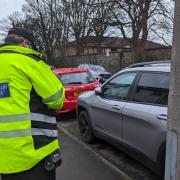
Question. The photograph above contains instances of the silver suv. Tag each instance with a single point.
(130, 111)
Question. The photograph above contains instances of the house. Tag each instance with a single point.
(110, 44)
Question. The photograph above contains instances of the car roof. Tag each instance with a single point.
(159, 66)
(69, 70)
(90, 66)
(96, 65)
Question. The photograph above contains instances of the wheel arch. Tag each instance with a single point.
(90, 132)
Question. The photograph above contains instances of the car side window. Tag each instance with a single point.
(153, 88)
(118, 87)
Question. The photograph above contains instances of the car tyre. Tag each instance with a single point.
(85, 127)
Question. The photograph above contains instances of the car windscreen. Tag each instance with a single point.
(77, 78)
(91, 67)
(97, 69)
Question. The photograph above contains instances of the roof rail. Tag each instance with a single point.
(152, 63)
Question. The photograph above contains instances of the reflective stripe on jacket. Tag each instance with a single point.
(28, 90)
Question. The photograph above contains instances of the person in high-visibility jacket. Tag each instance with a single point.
(29, 93)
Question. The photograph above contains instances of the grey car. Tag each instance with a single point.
(130, 111)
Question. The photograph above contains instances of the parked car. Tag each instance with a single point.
(130, 111)
(75, 81)
(99, 72)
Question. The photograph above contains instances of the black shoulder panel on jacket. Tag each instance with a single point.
(33, 56)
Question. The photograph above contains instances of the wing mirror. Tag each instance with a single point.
(98, 91)
(102, 81)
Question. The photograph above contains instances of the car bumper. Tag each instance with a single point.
(67, 107)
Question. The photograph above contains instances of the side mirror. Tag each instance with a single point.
(98, 91)
(102, 81)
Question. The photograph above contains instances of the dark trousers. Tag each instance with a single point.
(37, 172)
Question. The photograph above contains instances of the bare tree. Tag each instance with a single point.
(162, 23)
(49, 24)
(13, 20)
(101, 15)
(78, 13)
(133, 17)
(55, 22)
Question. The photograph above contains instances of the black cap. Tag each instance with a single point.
(25, 33)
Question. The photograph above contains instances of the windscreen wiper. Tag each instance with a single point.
(74, 83)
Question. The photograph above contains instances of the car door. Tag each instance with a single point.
(144, 124)
(106, 110)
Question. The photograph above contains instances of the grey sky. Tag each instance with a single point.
(7, 7)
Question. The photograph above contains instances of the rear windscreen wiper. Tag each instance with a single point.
(74, 83)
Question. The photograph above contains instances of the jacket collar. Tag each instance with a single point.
(20, 49)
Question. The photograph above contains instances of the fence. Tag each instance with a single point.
(114, 62)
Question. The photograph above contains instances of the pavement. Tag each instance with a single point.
(80, 163)
(126, 167)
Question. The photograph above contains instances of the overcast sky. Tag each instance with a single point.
(7, 7)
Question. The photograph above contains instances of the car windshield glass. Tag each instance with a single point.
(97, 68)
(77, 78)
(91, 67)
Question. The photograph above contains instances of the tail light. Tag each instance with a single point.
(70, 94)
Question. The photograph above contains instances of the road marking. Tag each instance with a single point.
(122, 175)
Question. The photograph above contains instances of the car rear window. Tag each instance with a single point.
(77, 78)
(91, 67)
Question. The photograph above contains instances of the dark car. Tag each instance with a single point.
(99, 72)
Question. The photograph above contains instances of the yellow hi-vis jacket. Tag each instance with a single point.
(26, 136)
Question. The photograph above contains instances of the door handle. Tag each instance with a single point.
(116, 107)
(161, 117)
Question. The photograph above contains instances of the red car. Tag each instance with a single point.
(75, 81)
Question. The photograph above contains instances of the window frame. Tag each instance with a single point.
(136, 84)
(130, 89)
